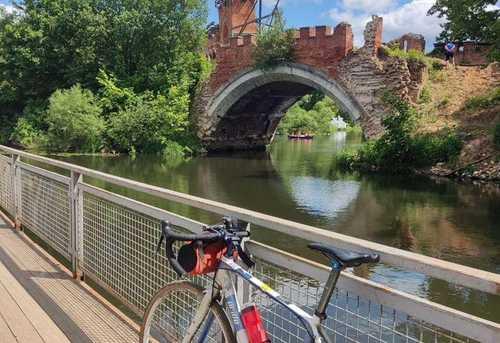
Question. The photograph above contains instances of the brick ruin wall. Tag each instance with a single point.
(322, 47)
(366, 73)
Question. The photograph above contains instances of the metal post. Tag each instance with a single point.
(243, 289)
(16, 190)
(76, 205)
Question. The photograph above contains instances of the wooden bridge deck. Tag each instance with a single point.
(41, 302)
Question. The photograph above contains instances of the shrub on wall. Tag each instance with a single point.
(274, 44)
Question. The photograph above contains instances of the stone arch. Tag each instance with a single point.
(245, 112)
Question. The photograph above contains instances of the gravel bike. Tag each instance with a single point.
(185, 312)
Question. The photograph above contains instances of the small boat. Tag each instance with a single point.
(300, 136)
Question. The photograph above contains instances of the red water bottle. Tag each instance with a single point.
(252, 322)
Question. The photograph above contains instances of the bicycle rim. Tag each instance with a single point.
(171, 312)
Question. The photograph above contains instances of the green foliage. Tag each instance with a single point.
(399, 149)
(74, 122)
(485, 101)
(275, 44)
(496, 135)
(126, 52)
(412, 55)
(469, 20)
(425, 96)
(152, 123)
(312, 114)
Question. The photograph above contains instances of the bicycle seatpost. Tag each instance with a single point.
(328, 290)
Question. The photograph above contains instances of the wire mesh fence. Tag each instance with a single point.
(351, 318)
(119, 253)
(45, 210)
(6, 192)
(119, 250)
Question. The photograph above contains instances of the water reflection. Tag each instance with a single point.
(299, 181)
(320, 197)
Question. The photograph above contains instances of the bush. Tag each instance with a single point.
(485, 101)
(496, 136)
(274, 45)
(411, 55)
(151, 123)
(399, 149)
(74, 122)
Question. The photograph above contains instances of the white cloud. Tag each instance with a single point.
(409, 17)
(369, 6)
(8, 8)
(412, 17)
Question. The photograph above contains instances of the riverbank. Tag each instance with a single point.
(452, 130)
(466, 100)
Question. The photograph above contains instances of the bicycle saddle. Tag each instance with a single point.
(346, 258)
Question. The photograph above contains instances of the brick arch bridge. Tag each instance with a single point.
(240, 106)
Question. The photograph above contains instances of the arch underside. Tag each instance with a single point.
(246, 113)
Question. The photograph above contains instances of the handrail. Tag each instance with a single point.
(448, 271)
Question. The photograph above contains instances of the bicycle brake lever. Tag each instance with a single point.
(164, 226)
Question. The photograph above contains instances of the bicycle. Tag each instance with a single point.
(184, 312)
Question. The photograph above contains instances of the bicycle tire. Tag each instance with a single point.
(167, 293)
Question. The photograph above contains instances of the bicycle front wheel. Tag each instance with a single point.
(172, 310)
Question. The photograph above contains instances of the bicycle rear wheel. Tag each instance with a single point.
(172, 310)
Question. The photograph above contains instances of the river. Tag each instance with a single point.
(299, 180)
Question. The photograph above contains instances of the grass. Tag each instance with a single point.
(425, 96)
(485, 101)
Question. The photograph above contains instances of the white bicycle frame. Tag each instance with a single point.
(226, 277)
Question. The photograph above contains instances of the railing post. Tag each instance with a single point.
(16, 190)
(76, 205)
(243, 289)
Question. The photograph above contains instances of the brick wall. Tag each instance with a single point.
(468, 53)
(409, 41)
(322, 47)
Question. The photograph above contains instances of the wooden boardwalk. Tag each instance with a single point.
(41, 302)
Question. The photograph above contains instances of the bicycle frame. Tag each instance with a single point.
(225, 277)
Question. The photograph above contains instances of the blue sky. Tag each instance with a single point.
(400, 16)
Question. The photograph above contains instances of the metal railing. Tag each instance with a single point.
(110, 239)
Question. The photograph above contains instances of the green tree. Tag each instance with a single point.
(74, 122)
(310, 115)
(54, 44)
(275, 44)
(152, 123)
(469, 20)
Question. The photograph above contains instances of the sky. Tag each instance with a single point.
(400, 16)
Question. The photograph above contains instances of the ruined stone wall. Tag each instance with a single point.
(364, 74)
(409, 41)
(367, 73)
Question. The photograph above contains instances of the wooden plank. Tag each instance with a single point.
(448, 271)
(81, 315)
(42, 323)
(16, 320)
(442, 316)
(6, 336)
